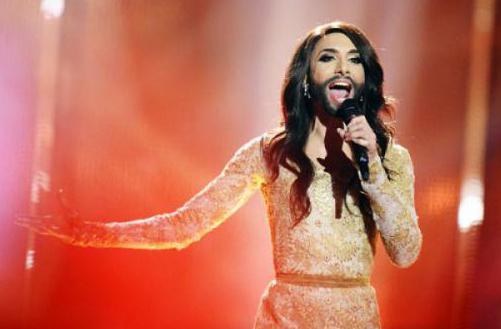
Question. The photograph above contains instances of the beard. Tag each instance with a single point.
(320, 93)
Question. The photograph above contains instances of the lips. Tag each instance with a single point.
(339, 90)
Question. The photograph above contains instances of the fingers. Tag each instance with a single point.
(358, 124)
(361, 141)
(28, 219)
(63, 202)
(40, 225)
(341, 132)
(358, 131)
(22, 221)
(356, 135)
(49, 222)
(59, 225)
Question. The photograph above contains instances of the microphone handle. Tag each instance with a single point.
(360, 153)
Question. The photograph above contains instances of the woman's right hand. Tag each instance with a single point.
(61, 226)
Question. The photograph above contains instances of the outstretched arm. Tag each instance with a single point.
(219, 199)
(392, 202)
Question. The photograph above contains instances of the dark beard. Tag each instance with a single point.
(319, 92)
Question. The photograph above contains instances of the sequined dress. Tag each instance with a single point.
(322, 265)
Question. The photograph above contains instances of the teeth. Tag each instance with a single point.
(340, 85)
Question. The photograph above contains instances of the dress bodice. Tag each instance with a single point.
(320, 244)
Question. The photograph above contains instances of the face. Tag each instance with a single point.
(336, 72)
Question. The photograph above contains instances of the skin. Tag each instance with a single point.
(335, 56)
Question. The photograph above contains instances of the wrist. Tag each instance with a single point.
(373, 155)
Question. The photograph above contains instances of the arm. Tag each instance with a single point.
(392, 202)
(225, 194)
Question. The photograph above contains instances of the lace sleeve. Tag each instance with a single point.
(219, 199)
(392, 202)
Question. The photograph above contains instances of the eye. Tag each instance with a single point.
(326, 58)
(356, 60)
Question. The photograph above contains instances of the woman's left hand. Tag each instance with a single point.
(358, 131)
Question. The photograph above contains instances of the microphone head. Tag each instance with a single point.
(348, 109)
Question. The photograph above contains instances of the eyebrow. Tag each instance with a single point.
(335, 51)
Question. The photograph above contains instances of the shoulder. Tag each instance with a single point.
(396, 151)
(397, 157)
(259, 142)
(254, 144)
(252, 151)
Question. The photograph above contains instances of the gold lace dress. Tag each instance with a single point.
(322, 265)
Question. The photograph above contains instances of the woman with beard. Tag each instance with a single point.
(324, 215)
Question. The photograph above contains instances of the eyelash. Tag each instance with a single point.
(356, 60)
(328, 58)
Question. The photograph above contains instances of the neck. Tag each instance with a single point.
(319, 129)
(324, 122)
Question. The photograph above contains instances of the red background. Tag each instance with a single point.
(152, 99)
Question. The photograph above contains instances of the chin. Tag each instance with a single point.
(328, 106)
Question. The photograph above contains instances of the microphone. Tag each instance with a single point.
(347, 111)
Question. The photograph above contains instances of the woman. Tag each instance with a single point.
(324, 217)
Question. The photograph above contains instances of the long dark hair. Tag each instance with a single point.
(298, 118)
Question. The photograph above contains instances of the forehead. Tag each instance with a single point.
(337, 40)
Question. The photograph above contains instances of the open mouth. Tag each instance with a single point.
(339, 90)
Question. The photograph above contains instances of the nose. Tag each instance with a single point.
(342, 67)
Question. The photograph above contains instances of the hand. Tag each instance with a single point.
(359, 131)
(60, 226)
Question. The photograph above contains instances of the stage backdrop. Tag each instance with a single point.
(150, 100)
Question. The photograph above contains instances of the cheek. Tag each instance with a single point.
(320, 73)
(360, 74)
(317, 77)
